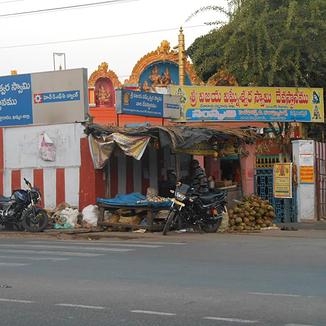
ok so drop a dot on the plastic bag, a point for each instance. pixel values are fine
(47, 148)
(91, 214)
(70, 216)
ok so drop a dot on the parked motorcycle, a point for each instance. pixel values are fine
(20, 210)
(202, 212)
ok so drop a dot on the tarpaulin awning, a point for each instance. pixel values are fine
(102, 148)
(134, 141)
(134, 199)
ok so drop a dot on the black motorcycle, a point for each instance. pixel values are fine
(201, 212)
(20, 210)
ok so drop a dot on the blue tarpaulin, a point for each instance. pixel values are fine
(133, 199)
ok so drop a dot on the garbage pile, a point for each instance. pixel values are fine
(66, 217)
(252, 213)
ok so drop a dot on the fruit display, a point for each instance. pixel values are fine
(252, 213)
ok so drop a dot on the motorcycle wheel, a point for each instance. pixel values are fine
(34, 220)
(168, 223)
(211, 228)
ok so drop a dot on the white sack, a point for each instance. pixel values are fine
(91, 214)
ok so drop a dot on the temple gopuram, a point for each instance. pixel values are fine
(154, 72)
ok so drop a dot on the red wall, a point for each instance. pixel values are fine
(124, 119)
(92, 184)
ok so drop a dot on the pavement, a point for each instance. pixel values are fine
(181, 279)
(315, 229)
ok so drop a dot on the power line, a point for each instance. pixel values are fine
(41, 11)
(10, 1)
(98, 37)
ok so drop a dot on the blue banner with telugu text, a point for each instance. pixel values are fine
(16, 100)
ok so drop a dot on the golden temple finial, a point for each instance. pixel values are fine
(103, 67)
(164, 48)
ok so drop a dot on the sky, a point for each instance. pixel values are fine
(124, 30)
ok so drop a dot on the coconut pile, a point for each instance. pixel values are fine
(251, 214)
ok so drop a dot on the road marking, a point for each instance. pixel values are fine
(109, 242)
(276, 294)
(65, 247)
(79, 306)
(94, 245)
(160, 243)
(298, 325)
(15, 300)
(53, 259)
(46, 252)
(148, 312)
(232, 320)
(13, 264)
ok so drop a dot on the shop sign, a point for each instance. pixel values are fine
(282, 180)
(206, 103)
(43, 98)
(204, 149)
(307, 174)
(207, 149)
(147, 104)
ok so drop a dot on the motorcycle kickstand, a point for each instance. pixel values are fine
(199, 228)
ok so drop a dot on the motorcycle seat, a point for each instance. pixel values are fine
(212, 197)
(4, 199)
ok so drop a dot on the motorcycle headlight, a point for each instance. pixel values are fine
(179, 196)
(35, 196)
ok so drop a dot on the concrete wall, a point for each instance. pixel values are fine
(305, 191)
(59, 180)
(21, 146)
(248, 165)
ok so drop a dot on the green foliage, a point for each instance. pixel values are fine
(266, 43)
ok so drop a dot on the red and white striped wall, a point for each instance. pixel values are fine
(126, 174)
(57, 185)
(70, 178)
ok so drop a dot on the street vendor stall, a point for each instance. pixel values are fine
(135, 160)
(134, 202)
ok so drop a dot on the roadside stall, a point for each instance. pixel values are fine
(105, 142)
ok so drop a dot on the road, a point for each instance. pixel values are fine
(200, 280)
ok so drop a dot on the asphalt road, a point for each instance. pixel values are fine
(198, 280)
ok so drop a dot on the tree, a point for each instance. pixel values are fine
(266, 43)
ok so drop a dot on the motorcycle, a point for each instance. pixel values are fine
(202, 212)
(20, 210)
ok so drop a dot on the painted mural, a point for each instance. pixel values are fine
(104, 92)
(159, 69)
(160, 74)
(102, 83)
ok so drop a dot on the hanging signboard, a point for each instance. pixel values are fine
(307, 174)
(282, 180)
(147, 104)
(43, 98)
(206, 103)
(306, 161)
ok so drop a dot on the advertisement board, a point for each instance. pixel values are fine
(307, 162)
(206, 103)
(282, 180)
(43, 98)
(147, 104)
